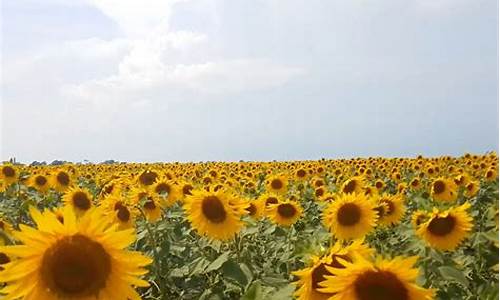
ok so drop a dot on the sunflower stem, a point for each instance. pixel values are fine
(157, 261)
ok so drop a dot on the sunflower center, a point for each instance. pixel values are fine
(379, 185)
(76, 267)
(319, 192)
(123, 214)
(381, 285)
(213, 209)
(81, 201)
(276, 184)
(271, 200)
(8, 171)
(147, 178)
(4, 259)
(251, 209)
(439, 187)
(441, 226)
(149, 204)
(162, 188)
(40, 180)
(186, 190)
(349, 214)
(301, 173)
(62, 178)
(287, 210)
(350, 187)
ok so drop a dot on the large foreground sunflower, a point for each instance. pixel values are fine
(350, 216)
(215, 214)
(310, 277)
(382, 280)
(446, 230)
(80, 259)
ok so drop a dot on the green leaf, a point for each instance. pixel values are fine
(217, 263)
(232, 269)
(453, 274)
(285, 293)
(254, 292)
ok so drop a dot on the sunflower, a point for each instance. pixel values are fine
(310, 277)
(446, 230)
(353, 185)
(214, 214)
(61, 180)
(167, 190)
(444, 190)
(255, 209)
(268, 199)
(147, 178)
(79, 199)
(418, 218)
(80, 259)
(382, 280)
(8, 174)
(394, 209)
(121, 211)
(471, 188)
(277, 184)
(350, 216)
(150, 204)
(40, 182)
(491, 174)
(285, 213)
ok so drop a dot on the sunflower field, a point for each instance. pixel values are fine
(347, 229)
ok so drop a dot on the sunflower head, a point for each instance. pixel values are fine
(80, 200)
(444, 190)
(285, 213)
(446, 230)
(353, 185)
(277, 184)
(214, 214)
(350, 216)
(77, 259)
(380, 280)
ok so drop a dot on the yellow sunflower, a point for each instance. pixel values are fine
(285, 213)
(80, 259)
(121, 211)
(353, 185)
(382, 280)
(8, 174)
(167, 190)
(40, 182)
(394, 209)
(61, 180)
(277, 184)
(418, 218)
(471, 188)
(148, 201)
(215, 214)
(350, 216)
(444, 190)
(310, 277)
(79, 199)
(446, 230)
(255, 209)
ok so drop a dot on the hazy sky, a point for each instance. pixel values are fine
(160, 80)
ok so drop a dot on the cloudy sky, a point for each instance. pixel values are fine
(171, 80)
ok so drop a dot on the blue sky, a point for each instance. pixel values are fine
(196, 80)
